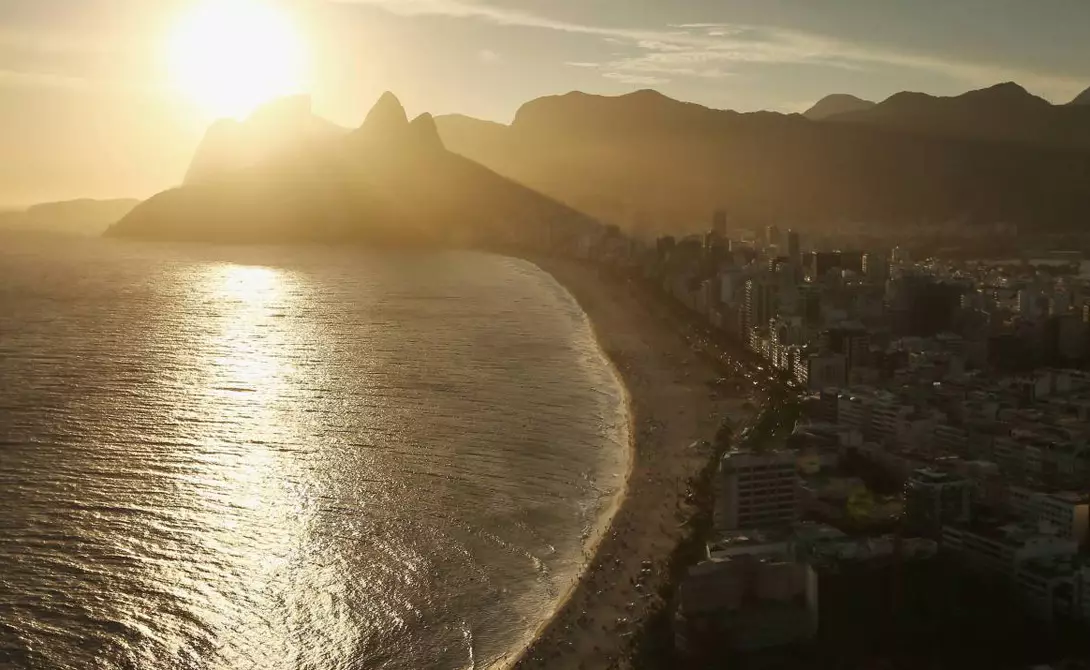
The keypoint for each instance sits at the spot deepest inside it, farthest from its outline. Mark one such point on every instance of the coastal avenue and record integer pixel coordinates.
(779, 398)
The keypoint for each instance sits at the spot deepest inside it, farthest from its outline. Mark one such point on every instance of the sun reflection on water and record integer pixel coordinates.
(250, 284)
(249, 346)
(310, 460)
(251, 501)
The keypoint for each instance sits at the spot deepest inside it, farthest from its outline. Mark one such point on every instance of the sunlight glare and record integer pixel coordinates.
(251, 285)
(228, 57)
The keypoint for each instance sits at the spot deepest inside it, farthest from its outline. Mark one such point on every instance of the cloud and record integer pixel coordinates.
(639, 80)
(60, 59)
(49, 42)
(488, 56)
(710, 49)
(36, 79)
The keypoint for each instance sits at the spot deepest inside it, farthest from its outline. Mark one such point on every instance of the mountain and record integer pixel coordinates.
(1004, 113)
(79, 217)
(489, 136)
(388, 181)
(645, 156)
(837, 103)
(1082, 98)
(275, 128)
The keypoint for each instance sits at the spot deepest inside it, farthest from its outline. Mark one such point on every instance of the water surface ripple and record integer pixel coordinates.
(226, 458)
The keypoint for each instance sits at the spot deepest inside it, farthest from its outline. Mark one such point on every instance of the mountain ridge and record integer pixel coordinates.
(1082, 98)
(627, 158)
(387, 182)
(1005, 112)
(279, 126)
(836, 103)
(644, 156)
(83, 216)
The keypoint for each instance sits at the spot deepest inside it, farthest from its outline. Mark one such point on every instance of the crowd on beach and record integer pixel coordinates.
(672, 409)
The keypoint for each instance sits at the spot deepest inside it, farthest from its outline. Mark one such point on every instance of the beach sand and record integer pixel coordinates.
(672, 406)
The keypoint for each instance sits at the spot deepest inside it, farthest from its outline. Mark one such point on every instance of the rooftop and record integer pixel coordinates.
(1012, 533)
(1051, 568)
(748, 540)
(864, 549)
(932, 476)
(764, 455)
(1072, 497)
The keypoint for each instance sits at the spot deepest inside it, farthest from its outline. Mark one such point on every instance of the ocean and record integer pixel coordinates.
(220, 458)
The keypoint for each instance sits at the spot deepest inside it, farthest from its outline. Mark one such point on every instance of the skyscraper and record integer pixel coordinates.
(758, 490)
(876, 267)
(772, 236)
(852, 340)
(794, 248)
(852, 260)
(762, 300)
(824, 262)
(719, 223)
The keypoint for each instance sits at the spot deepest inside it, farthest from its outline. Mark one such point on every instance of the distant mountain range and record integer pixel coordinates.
(1082, 98)
(1002, 113)
(275, 128)
(998, 154)
(995, 155)
(286, 176)
(80, 217)
(837, 103)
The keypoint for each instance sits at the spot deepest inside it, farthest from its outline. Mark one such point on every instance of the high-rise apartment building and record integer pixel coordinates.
(935, 499)
(719, 223)
(772, 236)
(757, 490)
(794, 247)
(762, 301)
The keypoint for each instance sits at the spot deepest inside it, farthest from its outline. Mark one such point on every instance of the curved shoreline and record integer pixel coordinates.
(606, 516)
(670, 407)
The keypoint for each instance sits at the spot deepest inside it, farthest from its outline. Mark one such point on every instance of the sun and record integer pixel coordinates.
(229, 56)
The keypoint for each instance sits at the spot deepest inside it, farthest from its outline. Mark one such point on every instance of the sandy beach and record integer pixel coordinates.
(672, 407)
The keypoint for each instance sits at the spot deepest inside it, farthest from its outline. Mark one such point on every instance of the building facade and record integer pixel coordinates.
(757, 490)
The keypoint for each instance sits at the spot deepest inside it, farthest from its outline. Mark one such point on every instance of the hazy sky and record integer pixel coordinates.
(86, 108)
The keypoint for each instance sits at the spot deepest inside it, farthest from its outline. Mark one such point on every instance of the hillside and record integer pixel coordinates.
(388, 182)
(646, 156)
(75, 217)
(273, 129)
(837, 103)
(1001, 113)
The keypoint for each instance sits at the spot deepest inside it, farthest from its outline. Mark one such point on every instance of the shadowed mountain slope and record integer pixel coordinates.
(1082, 98)
(79, 217)
(646, 156)
(388, 181)
(278, 127)
(1003, 113)
(837, 103)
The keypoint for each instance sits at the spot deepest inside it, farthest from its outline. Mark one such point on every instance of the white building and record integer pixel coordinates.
(1065, 512)
(819, 371)
(1004, 549)
(889, 417)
